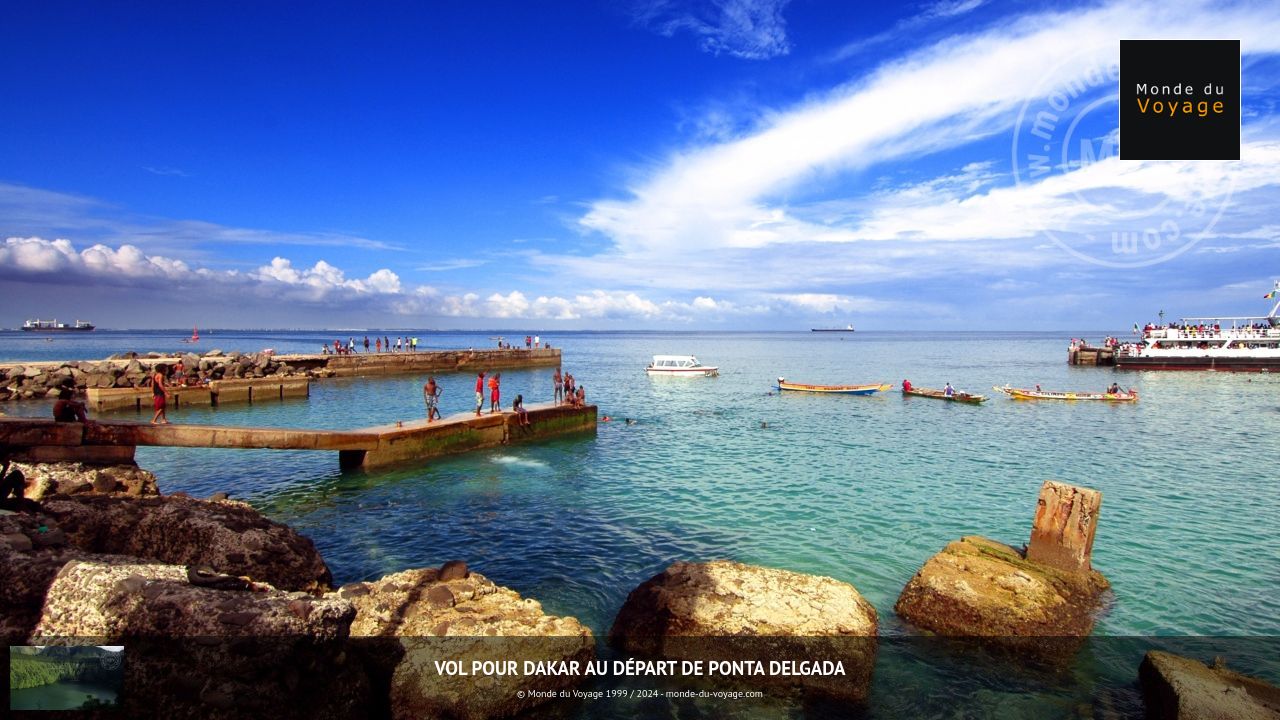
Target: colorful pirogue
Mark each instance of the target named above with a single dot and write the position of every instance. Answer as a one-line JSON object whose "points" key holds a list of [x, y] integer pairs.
{"points": [[957, 396], [1024, 394], [838, 389]]}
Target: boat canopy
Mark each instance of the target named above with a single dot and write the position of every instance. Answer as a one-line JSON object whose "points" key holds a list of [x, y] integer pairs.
{"points": [[675, 361]]}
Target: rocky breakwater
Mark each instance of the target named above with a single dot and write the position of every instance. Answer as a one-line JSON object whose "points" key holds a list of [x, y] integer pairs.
{"points": [[413, 623], [807, 633], [224, 613], [1039, 602], [131, 370]]}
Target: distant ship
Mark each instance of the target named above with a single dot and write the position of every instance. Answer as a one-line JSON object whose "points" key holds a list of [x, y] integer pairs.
{"points": [[45, 326], [846, 328]]}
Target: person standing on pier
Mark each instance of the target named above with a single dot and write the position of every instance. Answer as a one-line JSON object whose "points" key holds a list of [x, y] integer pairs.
{"points": [[366, 344], [431, 393], [494, 394], [479, 392], [377, 345], [559, 389], [159, 395]]}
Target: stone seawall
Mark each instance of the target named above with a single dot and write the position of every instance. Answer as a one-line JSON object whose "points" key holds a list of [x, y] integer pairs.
{"points": [[36, 380]]}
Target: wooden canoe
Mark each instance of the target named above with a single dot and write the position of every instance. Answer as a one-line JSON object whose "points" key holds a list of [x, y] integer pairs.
{"points": [[837, 389], [1025, 394], [960, 397]]}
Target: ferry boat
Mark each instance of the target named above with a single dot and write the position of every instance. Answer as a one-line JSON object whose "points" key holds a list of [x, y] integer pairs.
{"points": [[45, 326], [1247, 344], [846, 328], [680, 366]]}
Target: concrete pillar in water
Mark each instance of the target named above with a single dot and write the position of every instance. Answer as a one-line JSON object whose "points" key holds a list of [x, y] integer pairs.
{"points": [[1066, 519]]}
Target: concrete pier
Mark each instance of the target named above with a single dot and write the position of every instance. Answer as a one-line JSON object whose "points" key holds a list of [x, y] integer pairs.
{"points": [[39, 440], [39, 379], [1088, 355], [435, 361], [218, 392]]}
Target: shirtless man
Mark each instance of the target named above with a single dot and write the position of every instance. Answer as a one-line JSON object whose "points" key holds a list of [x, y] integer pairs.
{"points": [[431, 394]]}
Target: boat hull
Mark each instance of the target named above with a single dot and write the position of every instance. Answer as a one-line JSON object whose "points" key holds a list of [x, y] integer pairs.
{"points": [[967, 398], [1023, 394], [834, 389], [683, 372], [1231, 364], [86, 328]]}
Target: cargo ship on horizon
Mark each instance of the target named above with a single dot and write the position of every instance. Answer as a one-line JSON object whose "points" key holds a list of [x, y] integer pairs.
{"points": [[44, 326]]}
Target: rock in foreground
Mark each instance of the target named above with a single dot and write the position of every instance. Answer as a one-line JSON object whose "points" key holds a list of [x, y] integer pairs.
{"points": [[32, 551], [725, 610], [1179, 688], [70, 478], [228, 536], [457, 615], [978, 587], [200, 652]]}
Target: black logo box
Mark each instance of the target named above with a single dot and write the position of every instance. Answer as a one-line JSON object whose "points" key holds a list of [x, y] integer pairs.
{"points": [[1160, 77]]}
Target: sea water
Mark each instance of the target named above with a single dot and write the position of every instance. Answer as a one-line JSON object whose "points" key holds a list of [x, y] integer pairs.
{"points": [[862, 489]]}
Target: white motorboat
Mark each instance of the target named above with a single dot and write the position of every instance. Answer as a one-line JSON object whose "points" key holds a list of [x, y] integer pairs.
{"points": [[680, 366]]}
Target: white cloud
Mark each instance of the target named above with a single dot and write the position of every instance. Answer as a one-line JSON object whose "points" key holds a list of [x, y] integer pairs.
{"points": [[749, 29], [35, 259], [455, 264], [723, 216], [46, 212]]}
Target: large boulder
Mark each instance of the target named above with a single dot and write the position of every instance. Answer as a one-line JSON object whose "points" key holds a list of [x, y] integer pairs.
{"points": [[32, 551], [725, 610], [196, 651], [230, 537], [1179, 688], [979, 588], [451, 614], [67, 478]]}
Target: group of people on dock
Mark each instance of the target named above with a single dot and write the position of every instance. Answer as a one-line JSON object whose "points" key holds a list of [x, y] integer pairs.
{"points": [[566, 392], [379, 345]]}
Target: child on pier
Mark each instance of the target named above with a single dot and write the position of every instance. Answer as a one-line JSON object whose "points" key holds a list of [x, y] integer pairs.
{"points": [[494, 393], [522, 415]]}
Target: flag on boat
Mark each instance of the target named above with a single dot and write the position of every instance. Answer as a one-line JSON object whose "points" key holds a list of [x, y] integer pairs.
{"points": [[1269, 295], [1135, 328]]}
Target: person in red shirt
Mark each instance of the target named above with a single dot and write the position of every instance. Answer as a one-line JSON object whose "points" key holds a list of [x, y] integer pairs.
{"points": [[906, 386], [479, 392], [494, 405]]}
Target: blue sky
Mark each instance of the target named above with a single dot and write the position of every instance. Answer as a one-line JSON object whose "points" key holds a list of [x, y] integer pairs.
{"points": [[723, 164]]}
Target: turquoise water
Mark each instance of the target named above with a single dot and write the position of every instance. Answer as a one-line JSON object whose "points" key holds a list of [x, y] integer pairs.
{"points": [[863, 489]]}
